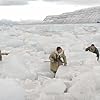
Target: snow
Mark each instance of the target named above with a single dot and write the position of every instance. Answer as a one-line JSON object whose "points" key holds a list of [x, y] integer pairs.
{"points": [[85, 87], [10, 90], [26, 70], [15, 67], [54, 87]]}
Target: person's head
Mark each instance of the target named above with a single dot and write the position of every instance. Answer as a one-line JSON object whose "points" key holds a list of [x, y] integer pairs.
{"points": [[59, 49], [92, 44]]}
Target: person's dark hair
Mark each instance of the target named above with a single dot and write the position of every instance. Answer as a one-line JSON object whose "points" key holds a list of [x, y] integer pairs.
{"points": [[58, 48], [92, 44]]}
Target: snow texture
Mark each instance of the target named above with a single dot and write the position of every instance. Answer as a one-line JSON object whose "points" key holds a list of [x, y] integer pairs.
{"points": [[25, 73]]}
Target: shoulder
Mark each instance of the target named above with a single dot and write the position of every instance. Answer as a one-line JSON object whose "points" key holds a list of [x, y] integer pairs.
{"points": [[96, 49], [53, 53], [62, 53]]}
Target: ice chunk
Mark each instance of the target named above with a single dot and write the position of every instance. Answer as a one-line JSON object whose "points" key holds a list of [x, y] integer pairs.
{"points": [[10, 90]]}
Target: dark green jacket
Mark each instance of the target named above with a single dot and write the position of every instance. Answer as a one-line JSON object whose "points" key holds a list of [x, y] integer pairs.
{"points": [[94, 50]]}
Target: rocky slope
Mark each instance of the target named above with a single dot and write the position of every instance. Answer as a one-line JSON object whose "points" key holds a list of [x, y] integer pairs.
{"points": [[87, 15]]}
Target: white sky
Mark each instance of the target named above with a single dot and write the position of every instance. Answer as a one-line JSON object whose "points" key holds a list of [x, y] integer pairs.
{"points": [[36, 10]]}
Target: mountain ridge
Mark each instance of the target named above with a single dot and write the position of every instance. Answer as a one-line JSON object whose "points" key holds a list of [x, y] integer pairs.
{"points": [[87, 15]]}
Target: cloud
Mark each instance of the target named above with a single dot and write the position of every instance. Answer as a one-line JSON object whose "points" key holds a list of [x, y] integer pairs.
{"points": [[78, 2], [75, 2], [14, 2]]}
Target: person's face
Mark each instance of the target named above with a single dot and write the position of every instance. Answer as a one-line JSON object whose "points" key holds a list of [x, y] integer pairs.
{"points": [[59, 51]]}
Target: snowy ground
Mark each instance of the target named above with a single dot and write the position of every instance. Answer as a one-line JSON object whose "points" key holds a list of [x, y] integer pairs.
{"points": [[25, 69]]}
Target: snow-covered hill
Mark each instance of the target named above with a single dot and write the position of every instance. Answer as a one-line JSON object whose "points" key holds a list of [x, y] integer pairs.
{"points": [[25, 69], [88, 15]]}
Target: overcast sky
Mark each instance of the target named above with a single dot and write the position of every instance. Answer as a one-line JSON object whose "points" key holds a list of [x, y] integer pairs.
{"points": [[39, 9]]}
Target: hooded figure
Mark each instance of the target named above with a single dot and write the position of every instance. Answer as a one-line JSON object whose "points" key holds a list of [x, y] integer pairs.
{"points": [[57, 58], [93, 49]]}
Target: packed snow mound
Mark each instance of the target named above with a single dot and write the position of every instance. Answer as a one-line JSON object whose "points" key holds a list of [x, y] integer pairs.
{"points": [[91, 59], [96, 71], [64, 73], [83, 87], [10, 90], [76, 91], [54, 87], [15, 67]]}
